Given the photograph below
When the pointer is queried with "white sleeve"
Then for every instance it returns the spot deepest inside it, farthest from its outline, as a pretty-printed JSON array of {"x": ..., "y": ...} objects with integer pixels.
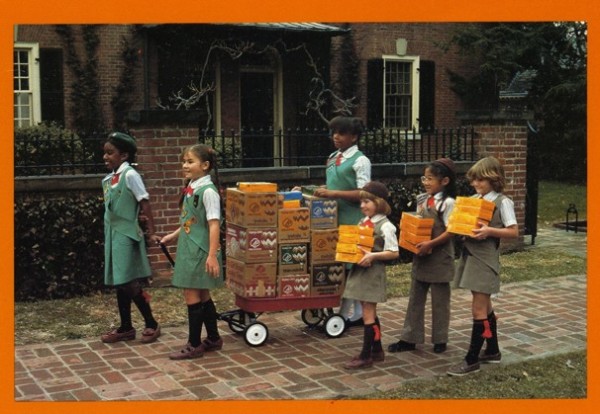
[
  {"x": 134, "y": 182},
  {"x": 507, "y": 212},
  {"x": 212, "y": 204},
  {"x": 390, "y": 241},
  {"x": 362, "y": 167},
  {"x": 448, "y": 206}
]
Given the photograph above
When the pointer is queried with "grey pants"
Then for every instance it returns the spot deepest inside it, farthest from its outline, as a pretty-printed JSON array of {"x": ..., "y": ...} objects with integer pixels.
[{"x": 414, "y": 321}]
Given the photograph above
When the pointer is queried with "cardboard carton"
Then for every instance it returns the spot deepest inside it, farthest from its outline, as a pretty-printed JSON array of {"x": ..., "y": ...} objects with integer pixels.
[
  {"x": 322, "y": 245},
  {"x": 257, "y": 187},
  {"x": 327, "y": 279},
  {"x": 251, "y": 209},
  {"x": 251, "y": 244},
  {"x": 323, "y": 212},
  {"x": 293, "y": 225},
  {"x": 252, "y": 279},
  {"x": 292, "y": 258},
  {"x": 293, "y": 286}
]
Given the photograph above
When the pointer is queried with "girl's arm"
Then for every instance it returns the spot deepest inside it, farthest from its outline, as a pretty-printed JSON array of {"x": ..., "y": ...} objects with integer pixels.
[
  {"x": 349, "y": 195},
  {"x": 212, "y": 264},
  {"x": 171, "y": 236},
  {"x": 485, "y": 231},
  {"x": 370, "y": 257},
  {"x": 427, "y": 246},
  {"x": 146, "y": 210}
]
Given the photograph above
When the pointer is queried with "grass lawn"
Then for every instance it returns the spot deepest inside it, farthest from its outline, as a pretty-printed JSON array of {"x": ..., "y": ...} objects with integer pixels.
[{"x": 554, "y": 199}]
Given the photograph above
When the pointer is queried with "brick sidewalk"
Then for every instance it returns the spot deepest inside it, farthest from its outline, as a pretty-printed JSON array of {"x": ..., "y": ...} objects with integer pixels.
[{"x": 536, "y": 318}]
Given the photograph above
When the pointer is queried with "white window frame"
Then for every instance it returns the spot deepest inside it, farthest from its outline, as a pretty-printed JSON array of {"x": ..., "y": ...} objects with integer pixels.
[
  {"x": 415, "y": 62},
  {"x": 35, "y": 111}
]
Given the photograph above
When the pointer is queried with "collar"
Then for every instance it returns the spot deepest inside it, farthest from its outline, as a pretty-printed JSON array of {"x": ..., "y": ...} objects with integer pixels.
[
  {"x": 438, "y": 196},
  {"x": 200, "y": 182},
  {"x": 491, "y": 196},
  {"x": 348, "y": 152},
  {"x": 122, "y": 167},
  {"x": 375, "y": 219}
]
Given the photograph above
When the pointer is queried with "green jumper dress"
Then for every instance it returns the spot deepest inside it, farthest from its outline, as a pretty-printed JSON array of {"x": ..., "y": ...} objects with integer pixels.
[
  {"x": 343, "y": 178},
  {"x": 193, "y": 245},
  {"x": 125, "y": 257}
]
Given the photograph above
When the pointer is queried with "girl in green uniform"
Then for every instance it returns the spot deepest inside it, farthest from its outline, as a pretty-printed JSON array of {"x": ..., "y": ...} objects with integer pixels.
[
  {"x": 199, "y": 267},
  {"x": 125, "y": 259},
  {"x": 479, "y": 267}
]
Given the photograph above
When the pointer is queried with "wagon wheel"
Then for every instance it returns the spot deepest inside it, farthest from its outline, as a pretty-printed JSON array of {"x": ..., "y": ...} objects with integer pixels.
[
  {"x": 238, "y": 323},
  {"x": 256, "y": 334},
  {"x": 312, "y": 317},
  {"x": 335, "y": 325}
]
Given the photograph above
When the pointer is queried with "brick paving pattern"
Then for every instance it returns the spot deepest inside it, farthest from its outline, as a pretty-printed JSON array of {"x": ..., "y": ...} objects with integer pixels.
[{"x": 536, "y": 318}]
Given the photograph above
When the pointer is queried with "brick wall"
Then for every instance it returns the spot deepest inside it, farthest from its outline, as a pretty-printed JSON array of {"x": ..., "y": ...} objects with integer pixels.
[{"x": 373, "y": 40}]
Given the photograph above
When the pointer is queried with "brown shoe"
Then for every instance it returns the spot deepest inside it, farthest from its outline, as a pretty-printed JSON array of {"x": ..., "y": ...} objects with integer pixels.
[
  {"x": 116, "y": 336},
  {"x": 463, "y": 369},
  {"x": 358, "y": 363},
  {"x": 207, "y": 345},
  {"x": 378, "y": 356},
  {"x": 188, "y": 352},
  {"x": 150, "y": 335}
]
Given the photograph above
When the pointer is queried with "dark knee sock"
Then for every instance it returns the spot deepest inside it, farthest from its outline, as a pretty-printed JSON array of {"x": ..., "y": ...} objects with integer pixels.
[
  {"x": 124, "y": 304},
  {"x": 492, "y": 342},
  {"x": 477, "y": 340},
  {"x": 195, "y": 318},
  {"x": 210, "y": 320},
  {"x": 142, "y": 302},
  {"x": 377, "y": 347},
  {"x": 368, "y": 339}
]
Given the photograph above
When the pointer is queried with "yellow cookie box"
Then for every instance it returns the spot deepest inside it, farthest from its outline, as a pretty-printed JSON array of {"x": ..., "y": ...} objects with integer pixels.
[
  {"x": 355, "y": 229},
  {"x": 349, "y": 257},
  {"x": 407, "y": 245},
  {"x": 367, "y": 241},
  {"x": 416, "y": 220},
  {"x": 413, "y": 238},
  {"x": 459, "y": 228}
]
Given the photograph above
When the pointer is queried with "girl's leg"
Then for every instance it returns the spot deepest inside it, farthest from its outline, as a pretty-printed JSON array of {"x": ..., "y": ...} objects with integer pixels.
[
  {"x": 492, "y": 350},
  {"x": 440, "y": 313},
  {"x": 371, "y": 333},
  {"x": 195, "y": 310},
  {"x": 213, "y": 342},
  {"x": 124, "y": 304},
  {"x": 142, "y": 301},
  {"x": 413, "y": 331}
]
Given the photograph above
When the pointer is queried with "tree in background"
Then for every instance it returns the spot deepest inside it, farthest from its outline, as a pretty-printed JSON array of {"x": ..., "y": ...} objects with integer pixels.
[{"x": 558, "y": 53}]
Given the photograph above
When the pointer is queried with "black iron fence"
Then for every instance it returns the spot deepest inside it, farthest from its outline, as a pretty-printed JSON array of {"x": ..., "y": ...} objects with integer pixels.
[{"x": 68, "y": 154}]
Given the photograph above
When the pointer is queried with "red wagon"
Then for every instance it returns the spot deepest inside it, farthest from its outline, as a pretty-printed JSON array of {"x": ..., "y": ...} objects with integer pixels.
[{"x": 314, "y": 311}]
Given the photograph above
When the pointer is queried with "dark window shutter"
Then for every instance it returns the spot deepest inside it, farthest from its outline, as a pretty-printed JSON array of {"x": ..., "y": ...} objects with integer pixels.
[
  {"x": 375, "y": 93},
  {"x": 51, "y": 86},
  {"x": 427, "y": 95}
]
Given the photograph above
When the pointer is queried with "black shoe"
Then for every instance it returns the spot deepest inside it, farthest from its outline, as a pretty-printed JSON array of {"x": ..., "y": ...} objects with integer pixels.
[
  {"x": 490, "y": 358},
  {"x": 439, "y": 348},
  {"x": 402, "y": 346},
  {"x": 358, "y": 322}
]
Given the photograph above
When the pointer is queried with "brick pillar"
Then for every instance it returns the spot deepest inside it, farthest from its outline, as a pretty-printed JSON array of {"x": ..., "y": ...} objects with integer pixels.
[{"x": 504, "y": 135}]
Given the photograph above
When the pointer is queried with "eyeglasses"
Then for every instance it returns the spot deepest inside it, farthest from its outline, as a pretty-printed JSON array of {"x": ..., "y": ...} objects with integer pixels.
[{"x": 425, "y": 179}]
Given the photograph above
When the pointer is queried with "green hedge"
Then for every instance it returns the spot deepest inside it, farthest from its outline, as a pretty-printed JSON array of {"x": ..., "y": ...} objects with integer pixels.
[{"x": 59, "y": 245}]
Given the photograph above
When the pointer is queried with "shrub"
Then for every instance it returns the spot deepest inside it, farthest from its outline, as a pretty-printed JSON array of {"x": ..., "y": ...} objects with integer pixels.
[{"x": 59, "y": 243}]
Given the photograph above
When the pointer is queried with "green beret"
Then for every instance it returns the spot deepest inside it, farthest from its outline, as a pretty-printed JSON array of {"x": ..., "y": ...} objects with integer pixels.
[{"x": 122, "y": 138}]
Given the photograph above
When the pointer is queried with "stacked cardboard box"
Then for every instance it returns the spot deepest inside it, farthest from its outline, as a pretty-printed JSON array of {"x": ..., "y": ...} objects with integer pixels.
[
  {"x": 251, "y": 239},
  {"x": 468, "y": 213},
  {"x": 353, "y": 240},
  {"x": 414, "y": 229},
  {"x": 272, "y": 249}
]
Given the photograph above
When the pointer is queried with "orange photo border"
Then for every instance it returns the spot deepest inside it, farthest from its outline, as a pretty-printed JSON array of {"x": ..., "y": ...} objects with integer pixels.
[{"x": 190, "y": 11}]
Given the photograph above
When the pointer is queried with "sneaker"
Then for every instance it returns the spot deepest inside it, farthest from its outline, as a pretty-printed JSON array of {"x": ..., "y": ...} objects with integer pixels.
[
  {"x": 150, "y": 335},
  {"x": 402, "y": 346},
  {"x": 490, "y": 358},
  {"x": 116, "y": 336},
  {"x": 439, "y": 348},
  {"x": 378, "y": 356},
  {"x": 357, "y": 363},
  {"x": 463, "y": 369},
  {"x": 207, "y": 345},
  {"x": 188, "y": 352},
  {"x": 358, "y": 322}
]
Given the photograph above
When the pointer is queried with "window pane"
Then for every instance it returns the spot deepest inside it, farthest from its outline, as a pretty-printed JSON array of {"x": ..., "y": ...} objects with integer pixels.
[{"x": 398, "y": 95}]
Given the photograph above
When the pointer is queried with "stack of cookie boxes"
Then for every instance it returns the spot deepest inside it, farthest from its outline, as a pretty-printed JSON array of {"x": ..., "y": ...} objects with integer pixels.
[
  {"x": 468, "y": 213},
  {"x": 269, "y": 244},
  {"x": 414, "y": 229},
  {"x": 352, "y": 243}
]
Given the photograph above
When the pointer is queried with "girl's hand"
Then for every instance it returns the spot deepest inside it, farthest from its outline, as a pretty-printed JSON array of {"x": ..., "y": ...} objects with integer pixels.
[
  {"x": 212, "y": 266},
  {"x": 154, "y": 238},
  {"x": 168, "y": 238},
  {"x": 482, "y": 232},
  {"x": 322, "y": 192},
  {"x": 424, "y": 248},
  {"x": 367, "y": 259}
]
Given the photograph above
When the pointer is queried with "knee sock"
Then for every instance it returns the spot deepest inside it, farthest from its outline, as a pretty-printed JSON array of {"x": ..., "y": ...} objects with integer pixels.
[
  {"x": 143, "y": 304},
  {"x": 377, "y": 347},
  {"x": 368, "y": 339},
  {"x": 210, "y": 320},
  {"x": 195, "y": 319},
  {"x": 124, "y": 304},
  {"x": 477, "y": 340},
  {"x": 492, "y": 342}
]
